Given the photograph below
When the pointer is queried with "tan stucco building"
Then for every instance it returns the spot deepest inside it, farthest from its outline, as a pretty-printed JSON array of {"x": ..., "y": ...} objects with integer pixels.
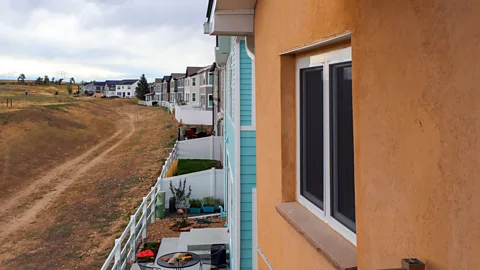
[{"x": 367, "y": 117}]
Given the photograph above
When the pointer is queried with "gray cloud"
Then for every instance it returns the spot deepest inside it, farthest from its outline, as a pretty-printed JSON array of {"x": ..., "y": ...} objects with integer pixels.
[{"x": 119, "y": 37}]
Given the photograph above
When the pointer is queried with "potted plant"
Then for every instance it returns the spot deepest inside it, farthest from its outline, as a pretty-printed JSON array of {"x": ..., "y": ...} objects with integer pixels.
[
  {"x": 208, "y": 205},
  {"x": 195, "y": 206},
  {"x": 180, "y": 195},
  {"x": 217, "y": 203}
]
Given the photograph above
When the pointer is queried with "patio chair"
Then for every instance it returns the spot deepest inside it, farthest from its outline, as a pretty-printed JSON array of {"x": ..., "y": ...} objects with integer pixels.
[
  {"x": 217, "y": 260},
  {"x": 190, "y": 134}
]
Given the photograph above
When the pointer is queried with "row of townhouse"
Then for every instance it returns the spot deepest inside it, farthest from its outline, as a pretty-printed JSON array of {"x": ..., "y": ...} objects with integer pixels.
[
  {"x": 349, "y": 132},
  {"x": 120, "y": 88},
  {"x": 194, "y": 87}
]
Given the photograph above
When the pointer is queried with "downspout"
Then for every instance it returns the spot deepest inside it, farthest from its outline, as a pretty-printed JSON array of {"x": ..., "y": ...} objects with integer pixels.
[{"x": 221, "y": 68}]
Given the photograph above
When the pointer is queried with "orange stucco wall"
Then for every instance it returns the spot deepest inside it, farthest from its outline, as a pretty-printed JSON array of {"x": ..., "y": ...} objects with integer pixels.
[{"x": 416, "y": 68}]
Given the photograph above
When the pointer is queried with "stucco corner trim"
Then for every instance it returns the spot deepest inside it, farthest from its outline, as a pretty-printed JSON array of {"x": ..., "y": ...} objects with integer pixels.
[
  {"x": 336, "y": 249},
  {"x": 319, "y": 44}
]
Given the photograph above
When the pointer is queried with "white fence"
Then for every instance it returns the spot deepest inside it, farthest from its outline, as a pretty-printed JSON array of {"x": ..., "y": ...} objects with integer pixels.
[
  {"x": 124, "y": 249},
  {"x": 204, "y": 183},
  {"x": 202, "y": 148},
  {"x": 190, "y": 116},
  {"x": 168, "y": 105},
  {"x": 145, "y": 103}
]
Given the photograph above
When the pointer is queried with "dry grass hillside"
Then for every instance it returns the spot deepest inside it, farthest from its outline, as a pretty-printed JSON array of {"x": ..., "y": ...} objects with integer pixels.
[
  {"x": 71, "y": 173},
  {"x": 37, "y": 138},
  {"x": 37, "y": 94}
]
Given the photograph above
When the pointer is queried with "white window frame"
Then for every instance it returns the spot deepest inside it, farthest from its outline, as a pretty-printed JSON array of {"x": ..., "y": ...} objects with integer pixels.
[{"x": 321, "y": 60}]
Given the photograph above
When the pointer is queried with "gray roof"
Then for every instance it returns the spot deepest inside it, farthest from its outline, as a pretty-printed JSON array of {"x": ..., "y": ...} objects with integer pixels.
[
  {"x": 113, "y": 83},
  {"x": 207, "y": 68},
  {"x": 192, "y": 71},
  {"x": 129, "y": 81},
  {"x": 177, "y": 75}
]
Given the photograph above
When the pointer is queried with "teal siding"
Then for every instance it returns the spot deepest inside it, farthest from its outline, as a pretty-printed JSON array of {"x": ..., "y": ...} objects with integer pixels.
[
  {"x": 248, "y": 174},
  {"x": 245, "y": 87},
  {"x": 246, "y": 158}
]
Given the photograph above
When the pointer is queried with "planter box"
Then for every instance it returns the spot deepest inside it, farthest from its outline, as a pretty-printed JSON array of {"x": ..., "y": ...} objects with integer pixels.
[
  {"x": 195, "y": 210},
  {"x": 208, "y": 209}
]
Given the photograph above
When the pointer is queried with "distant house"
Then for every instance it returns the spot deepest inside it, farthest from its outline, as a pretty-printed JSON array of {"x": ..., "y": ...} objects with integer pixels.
[
  {"x": 150, "y": 95},
  {"x": 126, "y": 89},
  {"x": 110, "y": 87},
  {"x": 98, "y": 87},
  {"x": 166, "y": 88},
  {"x": 176, "y": 87},
  {"x": 192, "y": 85},
  {"x": 89, "y": 87},
  {"x": 206, "y": 87},
  {"x": 82, "y": 87},
  {"x": 158, "y": 89}
]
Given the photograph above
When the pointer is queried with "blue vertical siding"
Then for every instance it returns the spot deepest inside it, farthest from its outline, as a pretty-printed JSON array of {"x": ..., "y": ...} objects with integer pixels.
[
  {"x": 248, "y": 174},
  {"x": 246, "y": 158},
  {"x": 245, "y": 87}
]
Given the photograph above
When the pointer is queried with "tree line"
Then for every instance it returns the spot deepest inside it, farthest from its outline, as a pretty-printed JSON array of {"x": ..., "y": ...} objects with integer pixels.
[{"x": 44, "y": 81}]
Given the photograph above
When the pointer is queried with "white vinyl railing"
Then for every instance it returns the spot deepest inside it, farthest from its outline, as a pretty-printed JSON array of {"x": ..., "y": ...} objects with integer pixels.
[{"x": 124, "y": 249}]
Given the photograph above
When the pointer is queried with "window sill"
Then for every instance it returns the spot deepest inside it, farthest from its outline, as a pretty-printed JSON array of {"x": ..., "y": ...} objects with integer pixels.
[{"x": 339, "y": 252}]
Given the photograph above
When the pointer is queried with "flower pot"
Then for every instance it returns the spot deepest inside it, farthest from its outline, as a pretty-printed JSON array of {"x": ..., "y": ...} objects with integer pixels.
[
  {"x": 195, "y": 210},
  {"x": 208, "y": 209},
  {"x": 172, "y": 205}
]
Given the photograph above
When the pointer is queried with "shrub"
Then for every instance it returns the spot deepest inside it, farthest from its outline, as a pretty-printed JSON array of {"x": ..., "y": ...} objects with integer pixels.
[
  {"x": 69, "y": 89},
  {"x": 209, "y": 201},
  {"x": 179, "y": 193},
  {"x": 194, "y": 203},
  {"x": 217, "y": 203}
]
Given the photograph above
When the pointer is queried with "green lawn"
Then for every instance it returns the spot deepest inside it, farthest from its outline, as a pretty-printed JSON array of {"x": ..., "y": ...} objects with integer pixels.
[{"x": 195, "y": 165}]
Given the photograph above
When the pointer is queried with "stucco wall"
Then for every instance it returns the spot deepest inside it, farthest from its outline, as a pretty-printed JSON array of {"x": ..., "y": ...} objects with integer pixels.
[
  {"x": 417, "y": 104},
  {"x": 415, "y": 77},
  {"x": 275, "y": 116}
]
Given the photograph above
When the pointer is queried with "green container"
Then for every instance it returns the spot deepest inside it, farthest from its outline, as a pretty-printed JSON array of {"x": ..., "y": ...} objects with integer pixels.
[{"x": 160, "y": 205}]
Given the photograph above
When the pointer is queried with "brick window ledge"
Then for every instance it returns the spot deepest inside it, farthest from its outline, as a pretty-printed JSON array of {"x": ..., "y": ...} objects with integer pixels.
[{"x": 336, "y": 249}]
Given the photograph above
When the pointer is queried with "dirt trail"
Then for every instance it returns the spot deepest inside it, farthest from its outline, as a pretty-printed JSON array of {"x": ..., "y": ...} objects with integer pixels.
[{"x": 63, "y": 176}]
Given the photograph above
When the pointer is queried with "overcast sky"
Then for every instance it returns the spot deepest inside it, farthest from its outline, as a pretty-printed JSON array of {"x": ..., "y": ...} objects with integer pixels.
[{"x": 102, "y": 39}]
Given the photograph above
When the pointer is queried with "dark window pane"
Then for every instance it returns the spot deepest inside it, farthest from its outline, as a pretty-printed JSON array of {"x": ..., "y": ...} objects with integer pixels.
[
  {"x": 311, "y": 135},
  {"x": 341, "y": 121}
]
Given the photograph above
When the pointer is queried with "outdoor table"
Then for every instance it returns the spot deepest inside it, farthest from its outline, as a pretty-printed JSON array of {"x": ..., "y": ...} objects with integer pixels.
[{"x": 194, "y": 261}]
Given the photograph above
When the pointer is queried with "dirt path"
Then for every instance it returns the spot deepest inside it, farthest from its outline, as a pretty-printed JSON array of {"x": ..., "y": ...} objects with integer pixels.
[{"x": 62, "y": 176}]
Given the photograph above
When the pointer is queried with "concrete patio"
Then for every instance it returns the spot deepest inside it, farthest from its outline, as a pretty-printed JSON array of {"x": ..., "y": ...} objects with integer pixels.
[{"x": 197, "y": 241}]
